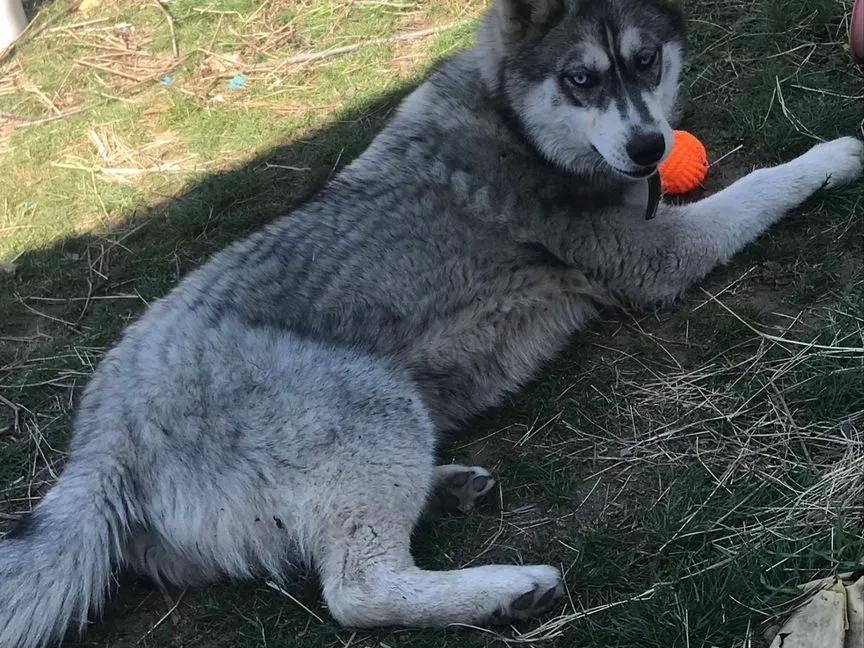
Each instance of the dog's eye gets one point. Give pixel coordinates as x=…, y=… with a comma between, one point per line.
x=645, y=60
x=582, y=79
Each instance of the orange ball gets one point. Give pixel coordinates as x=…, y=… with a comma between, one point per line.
x=686, y=166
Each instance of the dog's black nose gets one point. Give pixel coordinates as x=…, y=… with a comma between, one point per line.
x=646, y=149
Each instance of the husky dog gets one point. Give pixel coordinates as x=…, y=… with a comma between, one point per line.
x=280, y=407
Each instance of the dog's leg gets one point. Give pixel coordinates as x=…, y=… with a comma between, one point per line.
x=655, y=262
x=373, y=581
x=368, y=574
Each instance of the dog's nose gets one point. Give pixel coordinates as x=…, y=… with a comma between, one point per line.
x=646, y=149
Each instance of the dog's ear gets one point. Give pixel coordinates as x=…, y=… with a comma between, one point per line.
x=674, y=9
x=527, y=17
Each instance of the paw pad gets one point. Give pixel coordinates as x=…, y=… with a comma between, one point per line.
x=530, y=604
x=458, y=488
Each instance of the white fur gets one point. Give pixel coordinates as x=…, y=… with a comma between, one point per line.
x=760, y=199
x=567, y=133
x=666, y=93
x=558, y=127
x=630, y=41
x=594, y=58
x=697, y=237
x=395, y=595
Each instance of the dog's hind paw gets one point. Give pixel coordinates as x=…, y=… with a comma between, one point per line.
x=458, y=488
x=548, y=588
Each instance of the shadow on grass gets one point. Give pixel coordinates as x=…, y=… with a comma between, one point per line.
x=152, y=248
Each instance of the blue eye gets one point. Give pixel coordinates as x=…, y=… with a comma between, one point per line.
x=581, y=79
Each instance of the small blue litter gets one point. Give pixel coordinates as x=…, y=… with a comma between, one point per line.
x=237, y=82
x=167, y=79
x=27, y=203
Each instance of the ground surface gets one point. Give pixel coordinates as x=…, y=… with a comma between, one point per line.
x=685, y=468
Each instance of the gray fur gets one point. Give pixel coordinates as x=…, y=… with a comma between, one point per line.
x=280, y=407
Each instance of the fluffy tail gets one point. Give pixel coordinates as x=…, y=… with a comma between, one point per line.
x=56, y=566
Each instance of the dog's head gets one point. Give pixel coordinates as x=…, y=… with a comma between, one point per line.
x=591, y=82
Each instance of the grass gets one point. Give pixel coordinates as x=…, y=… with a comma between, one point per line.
x=686, y=468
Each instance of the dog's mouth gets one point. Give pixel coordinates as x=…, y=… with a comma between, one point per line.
x=649, y=173
x=637, y=174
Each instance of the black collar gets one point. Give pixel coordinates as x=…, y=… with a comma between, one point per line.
x=654, y=193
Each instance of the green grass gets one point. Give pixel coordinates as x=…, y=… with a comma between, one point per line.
x=686, y=468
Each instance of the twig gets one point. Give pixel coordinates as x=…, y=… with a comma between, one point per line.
x=829, y=93
x=780, y=339
x=43, y=120
x=335, y=164
x=45, y=99
x=728, y=287
x=108, y=70
x=347, y=49
x=276, y=587
x=797, y=124
x=725, y=155
x=130, y=171
x=84, y=23
x=46, y=316
x=66, y=300
x=270, y=165
x=16, y=411
x=174, y=47
x=22, y=340
x=166, y=615
x=384, y=3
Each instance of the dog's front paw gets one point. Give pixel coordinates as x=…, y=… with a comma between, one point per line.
x=837, y=162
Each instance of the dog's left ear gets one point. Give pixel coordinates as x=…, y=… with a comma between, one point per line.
x=672, y=8
x=529, y=17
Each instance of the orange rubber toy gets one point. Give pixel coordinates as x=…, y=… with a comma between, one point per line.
x=686, y=166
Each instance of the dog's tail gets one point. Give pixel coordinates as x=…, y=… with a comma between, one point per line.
x=56, y=566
